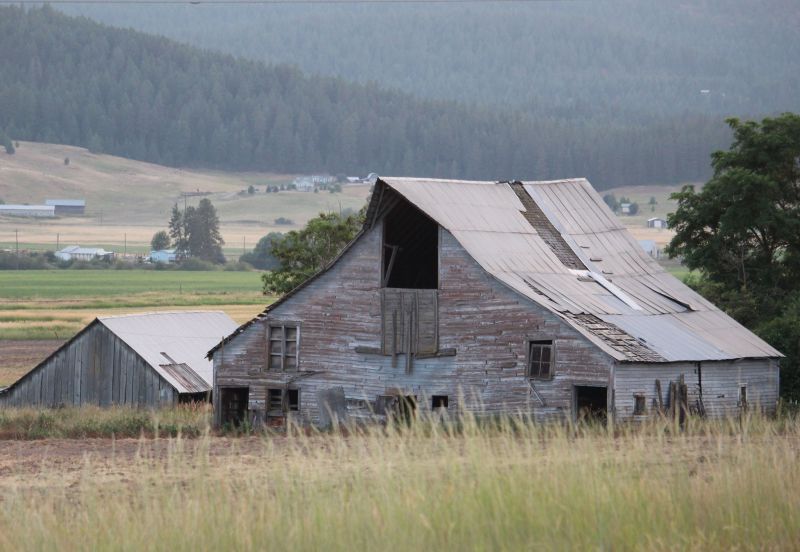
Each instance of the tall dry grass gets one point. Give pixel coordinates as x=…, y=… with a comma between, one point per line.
x=509, y=485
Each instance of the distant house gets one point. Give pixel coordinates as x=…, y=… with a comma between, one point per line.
x=145, y=360
x=304, y=184
x=67, y=206
x=651, y=248
x=625, y=208
x=27, y=211
x=78, y=253
x=166, y=256
x=656, y=222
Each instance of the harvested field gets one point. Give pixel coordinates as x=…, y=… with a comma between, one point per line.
x=17, y=357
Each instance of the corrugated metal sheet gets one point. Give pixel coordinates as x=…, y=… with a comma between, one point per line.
x=622, y=285
x=174, y=338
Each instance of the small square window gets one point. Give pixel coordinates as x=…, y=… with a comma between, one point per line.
x=639, y=405
x=540, y=359
x=440, y=402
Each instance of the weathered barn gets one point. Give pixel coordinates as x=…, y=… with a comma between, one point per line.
x=151, y=360
x=493, y=297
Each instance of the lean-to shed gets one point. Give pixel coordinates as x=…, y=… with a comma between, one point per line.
x=153, y=360
x=495, y=297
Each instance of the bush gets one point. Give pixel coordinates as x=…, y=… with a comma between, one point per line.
x=193, y=264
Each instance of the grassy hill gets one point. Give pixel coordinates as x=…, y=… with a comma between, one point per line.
x=133, y=198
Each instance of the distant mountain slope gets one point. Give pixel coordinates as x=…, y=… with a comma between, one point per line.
x=73, y=81
x=619, y=60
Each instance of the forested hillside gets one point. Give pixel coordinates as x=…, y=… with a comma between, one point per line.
x=77, y=82
x=619, y=60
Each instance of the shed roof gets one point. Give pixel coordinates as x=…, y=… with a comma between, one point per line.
x=171, y=341
x=559, y=245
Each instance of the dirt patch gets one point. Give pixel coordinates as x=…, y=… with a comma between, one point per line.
x=18, y=357
x=61, y=462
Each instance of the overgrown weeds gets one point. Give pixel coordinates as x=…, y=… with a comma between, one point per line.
x=89, y=422
x=508, y=485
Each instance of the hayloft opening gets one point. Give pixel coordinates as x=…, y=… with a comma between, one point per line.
x=591, y=403
x=410, y=249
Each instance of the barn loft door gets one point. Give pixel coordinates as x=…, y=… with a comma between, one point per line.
x=410, y=321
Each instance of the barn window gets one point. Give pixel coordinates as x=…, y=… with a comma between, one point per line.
x=274, y=400
x=440, y=402
x=639, y=405
x=282, y=400
x=540, y=359
x=410, y=249
x=284, y=346
x=293, y=400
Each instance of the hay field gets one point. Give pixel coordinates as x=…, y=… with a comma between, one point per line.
x=509, y=486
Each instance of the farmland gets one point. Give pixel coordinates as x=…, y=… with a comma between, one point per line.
x=40, y=309
x=436, y=486
x=128, y=201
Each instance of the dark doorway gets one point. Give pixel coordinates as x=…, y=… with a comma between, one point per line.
x=591, y=403
x=410, y=249
x=400, y=408
x=233, y=405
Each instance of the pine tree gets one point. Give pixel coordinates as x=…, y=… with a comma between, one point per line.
x=176, y=230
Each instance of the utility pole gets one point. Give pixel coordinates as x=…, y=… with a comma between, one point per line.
x=244, y=247
x=58, y=241
x=125, y=254
x=16, y=240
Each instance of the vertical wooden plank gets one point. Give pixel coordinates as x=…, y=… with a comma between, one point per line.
x=141, y=370
x=117, y=371
x=130, y=366
x=283, y=347
x=108, y=369
x=135, y=382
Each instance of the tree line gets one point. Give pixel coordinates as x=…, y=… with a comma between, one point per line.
x=73, y=81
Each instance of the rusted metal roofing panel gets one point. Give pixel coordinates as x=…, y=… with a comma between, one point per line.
x=188, y=378
x=623, y=287
x=174, y=338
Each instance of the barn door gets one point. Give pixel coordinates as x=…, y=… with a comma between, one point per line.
x=410, y=321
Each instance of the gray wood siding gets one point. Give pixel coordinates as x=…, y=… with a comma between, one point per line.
x=720, y=380
x=487, y=324
x=95, y=368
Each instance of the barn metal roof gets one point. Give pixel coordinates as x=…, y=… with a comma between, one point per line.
x=174, y=343
x=618, y=283
x=568, y=252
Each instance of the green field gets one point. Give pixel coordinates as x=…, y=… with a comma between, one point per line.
x=55, y=304
x=115, y=285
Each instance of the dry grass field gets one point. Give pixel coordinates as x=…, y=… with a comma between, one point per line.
x=732, y=485
x=128, y=201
